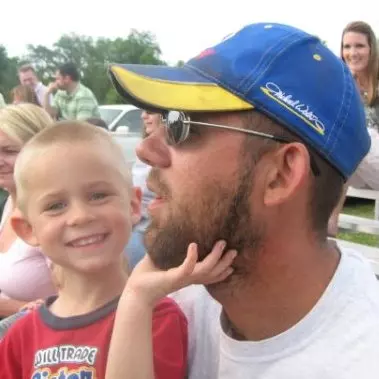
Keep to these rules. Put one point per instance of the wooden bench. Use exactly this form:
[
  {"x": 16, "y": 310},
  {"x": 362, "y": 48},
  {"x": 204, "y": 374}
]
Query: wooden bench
[
  {"x": 361, "y": 224},
  {"x": 365, "y": 194},
  {"x": 358, "y": 224}
]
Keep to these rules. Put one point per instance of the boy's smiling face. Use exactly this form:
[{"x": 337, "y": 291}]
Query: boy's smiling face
[{"x": 79, "y": 206}]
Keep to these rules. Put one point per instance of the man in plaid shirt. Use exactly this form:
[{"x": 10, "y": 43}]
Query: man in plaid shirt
[{"x": 73, "y": 100}]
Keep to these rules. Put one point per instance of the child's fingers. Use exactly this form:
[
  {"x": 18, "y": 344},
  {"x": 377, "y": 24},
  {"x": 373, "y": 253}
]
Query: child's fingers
[
  {"x": 213, "y": 267},
  {"x": 224, "y": 263},
  {"x": 219, "y": 278},
  {"x": 189, "y": 264},
  {"x": 211, "y": 260}
]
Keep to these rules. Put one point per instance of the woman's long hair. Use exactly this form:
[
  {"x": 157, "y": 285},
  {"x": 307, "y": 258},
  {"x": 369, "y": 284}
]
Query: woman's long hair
[{"x": 373, "y": 63}]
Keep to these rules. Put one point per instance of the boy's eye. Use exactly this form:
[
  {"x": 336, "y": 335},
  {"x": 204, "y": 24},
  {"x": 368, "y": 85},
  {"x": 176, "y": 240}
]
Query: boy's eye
[
  {"x": 98, "y": 195},
  {"x": 57, "y": 206}
]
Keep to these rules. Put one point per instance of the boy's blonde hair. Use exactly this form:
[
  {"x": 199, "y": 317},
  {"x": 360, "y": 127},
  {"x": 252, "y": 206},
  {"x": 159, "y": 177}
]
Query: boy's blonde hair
[
  {"x": 21, "y": 122},
  {"x": 64, "y": 133}
]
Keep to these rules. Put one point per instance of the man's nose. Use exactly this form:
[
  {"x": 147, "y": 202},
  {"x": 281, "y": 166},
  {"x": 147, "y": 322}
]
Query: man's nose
[{"x": 153, "y": 150}]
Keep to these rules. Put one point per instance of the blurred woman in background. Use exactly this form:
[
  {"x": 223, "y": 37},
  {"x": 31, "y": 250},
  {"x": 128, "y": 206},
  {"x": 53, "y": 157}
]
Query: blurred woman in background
[
  {"x": 24, "y": 94},
  {"x": 359, "y": 50},
  {"x": 24, "y": 272}
]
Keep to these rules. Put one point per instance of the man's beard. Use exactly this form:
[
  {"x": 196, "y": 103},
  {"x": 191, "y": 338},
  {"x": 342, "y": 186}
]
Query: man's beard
[{"x": 218, "y": 211}]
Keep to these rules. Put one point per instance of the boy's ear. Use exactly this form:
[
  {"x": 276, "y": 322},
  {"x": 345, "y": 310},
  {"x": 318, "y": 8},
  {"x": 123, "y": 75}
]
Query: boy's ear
[
  {"x": 135, "y": 204},
  {"x": 23, "y": 229}
]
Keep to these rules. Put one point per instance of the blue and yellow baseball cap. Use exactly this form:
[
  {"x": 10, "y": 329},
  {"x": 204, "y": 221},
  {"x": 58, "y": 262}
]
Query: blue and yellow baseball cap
[{"x": 279, "y": 70}]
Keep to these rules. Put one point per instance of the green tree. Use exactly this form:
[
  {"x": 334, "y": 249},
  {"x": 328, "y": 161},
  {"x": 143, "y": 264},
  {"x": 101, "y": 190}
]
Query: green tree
[
  {"x": 8, "y": 72},
  {"x": 92, "y": 57}
]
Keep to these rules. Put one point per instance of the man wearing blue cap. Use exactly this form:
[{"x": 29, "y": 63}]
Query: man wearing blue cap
[{"x": 262, "y": 131}]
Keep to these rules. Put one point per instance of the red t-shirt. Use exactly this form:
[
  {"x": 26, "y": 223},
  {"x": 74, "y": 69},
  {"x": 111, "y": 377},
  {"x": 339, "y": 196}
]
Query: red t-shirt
[{"x": 44, "y": 346}]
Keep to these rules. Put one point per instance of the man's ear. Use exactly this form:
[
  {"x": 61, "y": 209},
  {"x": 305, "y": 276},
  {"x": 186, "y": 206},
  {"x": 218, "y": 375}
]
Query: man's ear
[
  {"x": 135, "y": 205},
  {"x": 23, "y": 229},
  {"x": 287, "y": 172}
]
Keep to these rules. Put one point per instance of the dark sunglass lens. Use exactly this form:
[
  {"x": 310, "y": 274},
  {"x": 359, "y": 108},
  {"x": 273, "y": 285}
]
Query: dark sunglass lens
[{"x": 176, "y": 128}]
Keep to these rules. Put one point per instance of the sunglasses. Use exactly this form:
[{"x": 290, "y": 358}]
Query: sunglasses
[{"x": 178, "y": 124}]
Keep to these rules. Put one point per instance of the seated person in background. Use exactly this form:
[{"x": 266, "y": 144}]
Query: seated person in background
[
  {"x": 359, "y": 51},
  {"x": 72, "y": 99},
  {"x": 28, "y": 77},
  {"x": 24, "y": 272},
  {"x": 77, "y": 203}
]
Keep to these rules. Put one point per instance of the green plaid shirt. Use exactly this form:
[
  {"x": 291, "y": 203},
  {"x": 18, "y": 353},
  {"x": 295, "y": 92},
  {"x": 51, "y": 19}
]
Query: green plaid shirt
[{"x": 79, "y": 105}]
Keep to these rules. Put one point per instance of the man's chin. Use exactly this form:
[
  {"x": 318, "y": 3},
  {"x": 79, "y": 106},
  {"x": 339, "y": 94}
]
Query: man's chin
[{"x": 165, "y": 252}]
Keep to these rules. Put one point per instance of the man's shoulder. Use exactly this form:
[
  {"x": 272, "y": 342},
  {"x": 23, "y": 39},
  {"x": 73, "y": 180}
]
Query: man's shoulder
[
  {"x": 197, "y": 304},
  {"x": 359, "y": 263},
  {"x": 60, "y": 94},
  {"x": 195, "y": 293},
  {"x": 85, "y": 92},
  {"x": 358, "y": 285}
]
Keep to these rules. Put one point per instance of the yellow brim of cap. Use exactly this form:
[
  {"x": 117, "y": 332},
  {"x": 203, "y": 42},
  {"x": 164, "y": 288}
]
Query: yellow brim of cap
[{"x": 178, "y": 95}]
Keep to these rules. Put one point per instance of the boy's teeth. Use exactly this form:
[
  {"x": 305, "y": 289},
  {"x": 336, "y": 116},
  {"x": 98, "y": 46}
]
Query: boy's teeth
[{"x": 88, "y": 240}]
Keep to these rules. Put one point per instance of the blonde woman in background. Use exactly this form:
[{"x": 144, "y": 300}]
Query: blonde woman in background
[
  {"x": 24, "y": 271},
  {"x": 24, "y": 94},
  {"x": 359, "y": 50}
]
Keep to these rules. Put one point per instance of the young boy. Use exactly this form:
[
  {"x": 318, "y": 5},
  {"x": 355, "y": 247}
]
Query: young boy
[{"x": 77, "y": 204}]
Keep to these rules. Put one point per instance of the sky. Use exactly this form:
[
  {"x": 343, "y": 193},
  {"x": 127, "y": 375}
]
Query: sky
[{"x": 182, "y": 28}]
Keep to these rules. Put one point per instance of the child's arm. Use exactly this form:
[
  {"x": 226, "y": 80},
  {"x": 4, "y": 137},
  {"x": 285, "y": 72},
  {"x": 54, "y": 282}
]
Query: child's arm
[{"x": 131, "y": 354}]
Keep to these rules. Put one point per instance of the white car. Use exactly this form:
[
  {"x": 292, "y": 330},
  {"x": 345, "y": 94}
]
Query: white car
[
  {"x": 123, "y": 117},
  {"x": 125, "y": 124}
]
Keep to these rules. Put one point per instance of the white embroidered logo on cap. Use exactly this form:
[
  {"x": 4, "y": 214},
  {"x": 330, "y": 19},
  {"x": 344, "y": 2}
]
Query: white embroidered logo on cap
[{"x": 297, "y": 107}]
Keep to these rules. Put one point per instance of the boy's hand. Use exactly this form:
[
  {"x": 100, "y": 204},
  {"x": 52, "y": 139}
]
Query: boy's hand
[{"x": 151, "y": 284}]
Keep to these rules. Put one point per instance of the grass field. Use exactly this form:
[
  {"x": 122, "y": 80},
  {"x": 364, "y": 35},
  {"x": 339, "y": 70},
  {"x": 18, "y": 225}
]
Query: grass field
[{"x": 362, "y": 208}]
